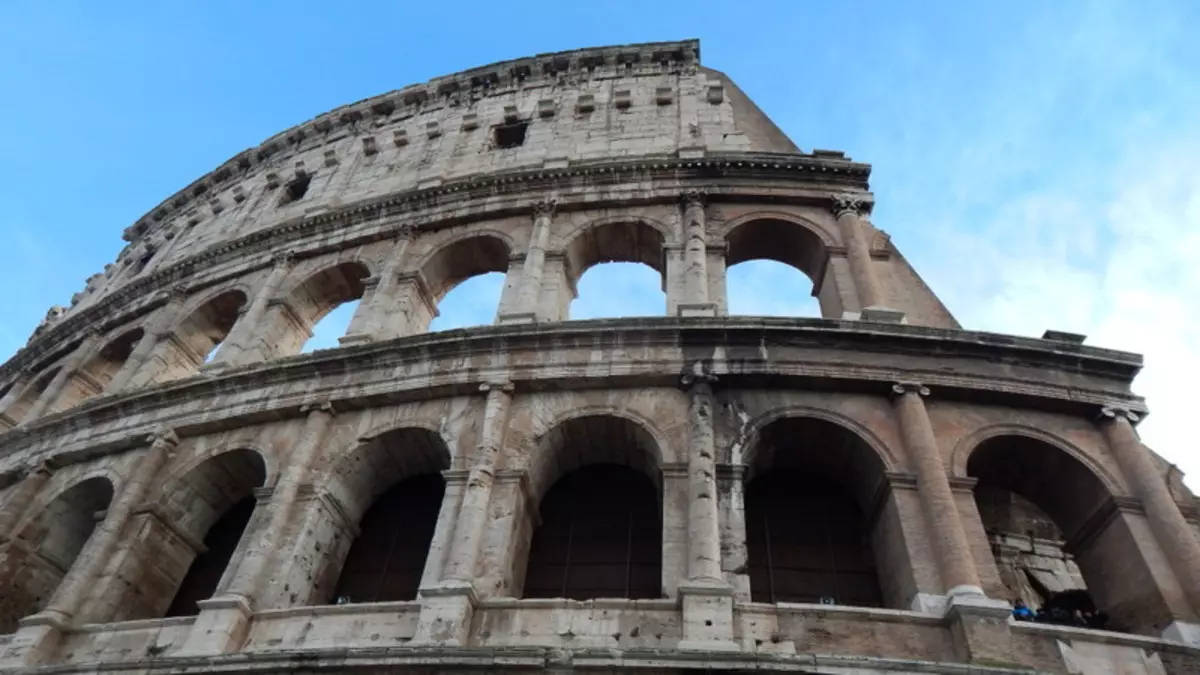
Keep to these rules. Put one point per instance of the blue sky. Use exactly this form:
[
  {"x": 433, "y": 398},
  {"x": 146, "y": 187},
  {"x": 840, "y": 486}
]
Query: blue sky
[{"x": 1037, "y": 162}]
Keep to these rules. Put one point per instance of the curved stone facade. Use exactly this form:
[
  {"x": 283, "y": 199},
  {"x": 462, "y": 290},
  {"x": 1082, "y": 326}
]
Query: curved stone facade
[{"x": 181, "y": 488}]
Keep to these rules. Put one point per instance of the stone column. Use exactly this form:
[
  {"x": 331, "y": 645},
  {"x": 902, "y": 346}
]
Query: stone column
[
  {"x": 534, "y": 264},
  {"x": 223, "y": 621},
  {"x": 447, "y": 607},
  {"x": 379, "y": 293},
  {"x": 695, "y": 257},
  {"x": 706, "y": 598},
  {"x": 15, "y": 507},
  {"x": 249, "y": 324},
  {"x": 156, "y": 329},
  {"x": 75, "y": 361},
  {"x": 41, "y": 634},
  {"x": 443, "y": 533},
  {"x": 849, "y": 210},
  {"x": 954, "y": 557},
  {"x": 1178, "y": 540},
  {"x": 10, "y": 397}
]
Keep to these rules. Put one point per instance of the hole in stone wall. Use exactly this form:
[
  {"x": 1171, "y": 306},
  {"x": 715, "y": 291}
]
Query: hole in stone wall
[
  {"x": 769, "y": 288},
  {"x": 470, "y": 303},
  {"x": 295, "y": 189},
  {"x": 510, "y": 135},
  {"x": 618, "y": 289}
]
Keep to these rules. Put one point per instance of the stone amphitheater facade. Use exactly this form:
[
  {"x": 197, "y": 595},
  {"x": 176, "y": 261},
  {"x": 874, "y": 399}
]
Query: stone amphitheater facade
[{"x": 867, "y": 492}]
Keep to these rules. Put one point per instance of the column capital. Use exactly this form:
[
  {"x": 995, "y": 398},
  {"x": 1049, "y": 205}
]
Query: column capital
[
  {"x": 1114, "y": 413},
  {"x": 325, "y": 407},
  {"x": 176, "y": 293},
  {"x": 849, "y": 202},
  {"x": 163, "y": 438},
  {"x": 499, "y": 385},
  {"x": 283, "y": 258},
  {"x": 544, "y": 208},
  {"x": 693, "y": 198},
  {"x": 901, "y": 388},
  {"x": 696, "y": 374}
]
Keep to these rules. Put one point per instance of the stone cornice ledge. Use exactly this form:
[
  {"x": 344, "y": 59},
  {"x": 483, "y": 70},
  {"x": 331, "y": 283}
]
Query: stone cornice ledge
[
  {"x": 244, "y": 395},
  {"x": 490, "y": 659},
  {"x": 409, "y": 202}
]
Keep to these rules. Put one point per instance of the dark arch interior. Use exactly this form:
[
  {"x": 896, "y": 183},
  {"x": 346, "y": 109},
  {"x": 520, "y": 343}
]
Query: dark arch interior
[
  {"x": 387, "y": 558},
  {"x": 809, "y": 533},
  {"x": 211, "y": 323},
  {"x": 626, "y": 241},
  {"x": 324, "y": 291},
  {"x": 52, "y": 540},
  {"x": 1030, "y": 491},
  {"x": 600, "y": 537},
  {"x": 206, "y": 570}
]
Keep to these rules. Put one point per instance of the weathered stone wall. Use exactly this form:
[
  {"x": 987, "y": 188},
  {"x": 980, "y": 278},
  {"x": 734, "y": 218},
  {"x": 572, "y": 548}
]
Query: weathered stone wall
[{"x": 175, "y": 389}]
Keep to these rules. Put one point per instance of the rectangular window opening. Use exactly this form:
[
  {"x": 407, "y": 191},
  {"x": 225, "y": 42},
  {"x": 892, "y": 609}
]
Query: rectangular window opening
[{"x": 510, "y": 135}]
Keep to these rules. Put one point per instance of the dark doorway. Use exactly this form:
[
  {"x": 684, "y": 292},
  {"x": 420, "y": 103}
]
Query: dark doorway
[
  {"x": 388, "y": 557},
  {"x": 600, "y": 537},
  {"x": 206, "y": 571}
]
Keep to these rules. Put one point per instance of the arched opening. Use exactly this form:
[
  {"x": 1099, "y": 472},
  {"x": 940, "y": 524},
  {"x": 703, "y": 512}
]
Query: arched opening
[
  {"x": 19, "y": 408},
  {"x": 600, "y": 534},
  {"x": 810, "y": 535},
  {"x": 392, "y": 485},
  {"x": 464, "y": 281},
  {"x": 179, "y": 550},
  {"x": 322, "y": 306},
  {"x": 195, "y": 341},
  {"x": 99, "y": 371},
  {"x": 1056, "y": 539},
  {"x": 45, "y": 547},
  {"x": 772, "y": 269},
  {"x": 616, "y": 270}
]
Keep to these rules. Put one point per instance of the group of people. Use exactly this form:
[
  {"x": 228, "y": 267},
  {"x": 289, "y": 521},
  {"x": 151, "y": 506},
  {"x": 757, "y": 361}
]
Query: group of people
[{"x": 1062, "y": 616}]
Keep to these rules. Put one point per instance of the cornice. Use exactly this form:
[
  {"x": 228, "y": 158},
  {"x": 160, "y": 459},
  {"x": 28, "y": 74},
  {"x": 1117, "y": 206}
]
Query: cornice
[
  {"x": 419, "y": 208},
  {"x": 810, "y": 354}
]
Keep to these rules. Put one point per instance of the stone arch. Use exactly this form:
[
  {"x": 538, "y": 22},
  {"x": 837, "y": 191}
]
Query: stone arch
[
  {"x": 196, "y": 335},
  {"x": 600, "y": 474},
  {"x": 616, "y": 239},
  {"x": 182, "y": 543},
  {"x": 783, "y": 238},
  {"x": 46, "y": 544},
  {"x": 390, "y": 484},
  {"x": 890, "y": 462},
  {"x": 94, "y": 376},
  {"x": 1032, "y": 487},
  {"x": 454, "y": 261},
  {"x": 312, "y": 298},
  {"x": 813, "y": 530},
  {"x": 961, "y": 453},
  {"x": 20, "y": 407}
]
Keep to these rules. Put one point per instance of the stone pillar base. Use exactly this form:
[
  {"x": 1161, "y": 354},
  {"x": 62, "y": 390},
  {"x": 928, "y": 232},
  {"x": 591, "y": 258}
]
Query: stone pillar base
[
  {"x": 355, "y": 339},
  {"x": 221, "y": 627},
  {"x": 697, "y": 309},
  {"x": 36, "y": 641},
  {"x": 882, "y": 315},
  {"x": 980, "y": 628},
  {"x": 707, "y": 609},
  {"x": 516, "y": 318},
  {"x": 937, "y": 605},
  {"x": 446, "y": 612},
  {"x": 1183, "y": 631}
]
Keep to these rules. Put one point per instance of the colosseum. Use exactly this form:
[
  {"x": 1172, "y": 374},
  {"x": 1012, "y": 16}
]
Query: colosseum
[{"x": 185, "y": 488}]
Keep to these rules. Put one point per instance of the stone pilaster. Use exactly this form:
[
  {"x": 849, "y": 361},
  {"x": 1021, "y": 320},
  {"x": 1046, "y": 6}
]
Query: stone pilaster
[
  {"x": 1176, "y": 538},
  {"x": 529, "y": 297},
  {"x": 695, "y": 301},
  {"x": 250, "y": 323},
  {"x": 74, "y": 362},
  {"x": 11, "y": 397},
  {"x": 371, "y": 319},
  {"x": 40, "y": 634},
  {"x": 224, "y": 621},
  {"x": 734, "y": 556},
  {"x": 849, "y": 210},
  {"x": 14, "y": 509},
  {"x": 706, "y": 599},
  {"x": 955, "y": 562},
  {"x": 443, "y": 533},
  {"x": 447, "y": 607}
]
